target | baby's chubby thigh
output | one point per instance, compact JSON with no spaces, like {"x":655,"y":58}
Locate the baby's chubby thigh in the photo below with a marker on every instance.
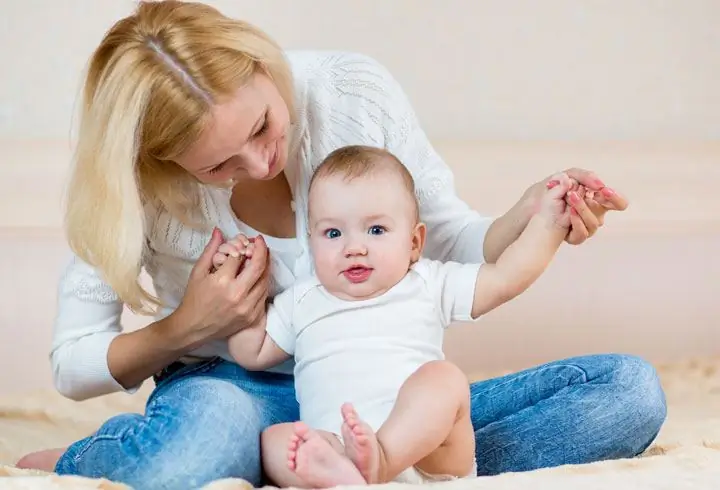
{"x":432,"y":416}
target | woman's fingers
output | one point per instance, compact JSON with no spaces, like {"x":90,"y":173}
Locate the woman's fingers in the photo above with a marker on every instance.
{"x":611,"y":199}
{"x":578,"y":232}
{"x":597,"y":209}
{"x":255,"y":267}
{"x":584,"y":212}
{"x":204,"y":264}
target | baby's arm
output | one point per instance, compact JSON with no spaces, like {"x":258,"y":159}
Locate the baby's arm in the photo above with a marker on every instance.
{"x":254,"y":349}
{"x":522,"y":263}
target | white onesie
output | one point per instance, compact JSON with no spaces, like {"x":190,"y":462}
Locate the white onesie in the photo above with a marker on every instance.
{"x":363,"y":351}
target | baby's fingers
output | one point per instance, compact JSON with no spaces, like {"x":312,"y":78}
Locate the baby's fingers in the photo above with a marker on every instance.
{"x":219,"y":259}
{"x":231,"y":249}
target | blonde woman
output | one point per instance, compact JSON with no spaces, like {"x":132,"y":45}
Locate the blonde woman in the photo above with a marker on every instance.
{"x":196,"y":126}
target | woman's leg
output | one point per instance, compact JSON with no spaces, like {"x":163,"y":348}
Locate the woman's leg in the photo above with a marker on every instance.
{"x":201,"y":424}
{"x":574,"y":411}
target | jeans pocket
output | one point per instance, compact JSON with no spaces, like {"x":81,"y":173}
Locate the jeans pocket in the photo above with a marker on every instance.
{"x":179,"y":369}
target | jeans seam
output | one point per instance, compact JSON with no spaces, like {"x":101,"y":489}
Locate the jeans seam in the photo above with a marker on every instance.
{"x":93,"y":440}
{"x":541,"y":370}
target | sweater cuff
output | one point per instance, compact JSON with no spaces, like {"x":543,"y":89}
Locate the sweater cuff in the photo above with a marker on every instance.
{"x":88,"y":375}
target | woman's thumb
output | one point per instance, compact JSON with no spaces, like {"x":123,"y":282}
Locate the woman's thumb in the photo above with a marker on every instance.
{"x":204,"y":263}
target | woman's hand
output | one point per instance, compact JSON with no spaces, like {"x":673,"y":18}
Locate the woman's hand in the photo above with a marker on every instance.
{"x":590,"y":201}
{"x":219,"y":302}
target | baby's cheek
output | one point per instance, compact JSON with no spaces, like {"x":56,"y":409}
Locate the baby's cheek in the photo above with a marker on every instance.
{"x":323,"y":257}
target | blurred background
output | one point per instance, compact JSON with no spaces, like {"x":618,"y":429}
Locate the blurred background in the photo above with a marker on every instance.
{"x":507,"y":91}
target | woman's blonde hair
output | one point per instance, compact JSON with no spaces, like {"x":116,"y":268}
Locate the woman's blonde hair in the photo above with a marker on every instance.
{"x":149,"y":89}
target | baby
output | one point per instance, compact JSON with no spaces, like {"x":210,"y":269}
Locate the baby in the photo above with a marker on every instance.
{"x":378,"y":402}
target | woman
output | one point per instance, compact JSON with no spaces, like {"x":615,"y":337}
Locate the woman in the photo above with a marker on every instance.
{"x":192,"y":122}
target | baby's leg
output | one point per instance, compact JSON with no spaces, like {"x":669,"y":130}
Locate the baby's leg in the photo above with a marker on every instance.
{"x":294,"y":455}
{"x":429,"y":428}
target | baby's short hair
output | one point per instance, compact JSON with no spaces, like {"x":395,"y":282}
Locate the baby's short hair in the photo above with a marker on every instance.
{"x":355,"y":161}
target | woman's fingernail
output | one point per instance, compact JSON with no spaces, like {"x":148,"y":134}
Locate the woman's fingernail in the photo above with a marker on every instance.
{"x":574,"y":197}
{"x":608,"y":192}
{"x":552,"y":184}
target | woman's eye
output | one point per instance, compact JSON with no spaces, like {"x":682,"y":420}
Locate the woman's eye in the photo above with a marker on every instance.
{"x":262,"y":129}
{"x":376,"y":230}
{"x":216,"y":169}
{"x":332,"y":233}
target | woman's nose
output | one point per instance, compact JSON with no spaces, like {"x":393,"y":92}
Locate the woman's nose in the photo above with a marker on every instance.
{"x":255,"y":162}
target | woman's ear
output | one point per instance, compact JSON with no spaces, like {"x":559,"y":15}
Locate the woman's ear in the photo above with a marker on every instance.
{"x":418,"y":241}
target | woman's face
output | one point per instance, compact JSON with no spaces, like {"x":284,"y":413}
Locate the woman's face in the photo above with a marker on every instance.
{"x":246,"y":137}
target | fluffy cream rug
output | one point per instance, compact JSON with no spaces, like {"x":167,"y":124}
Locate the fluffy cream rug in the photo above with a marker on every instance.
{"x":685,"y":455}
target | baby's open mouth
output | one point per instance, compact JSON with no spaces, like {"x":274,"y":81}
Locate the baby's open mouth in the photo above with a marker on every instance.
{"x":357,"y":273}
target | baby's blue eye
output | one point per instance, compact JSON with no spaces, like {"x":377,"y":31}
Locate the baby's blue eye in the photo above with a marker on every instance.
{"x":376,"y":230}
{"x":332,"y":233}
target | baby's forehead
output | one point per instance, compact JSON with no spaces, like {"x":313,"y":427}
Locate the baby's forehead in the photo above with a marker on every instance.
{"x":373,"y":194}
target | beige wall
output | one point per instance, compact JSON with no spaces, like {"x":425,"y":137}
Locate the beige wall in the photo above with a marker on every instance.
{"x":490,"y":69}
{"x":508,"y":91}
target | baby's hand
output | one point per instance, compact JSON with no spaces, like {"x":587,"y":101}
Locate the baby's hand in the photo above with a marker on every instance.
{"x":240,"y":245}
{"x":554,"y":205}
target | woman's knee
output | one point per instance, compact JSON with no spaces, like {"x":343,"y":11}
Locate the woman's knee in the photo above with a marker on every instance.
{"x":214,"y":433}
{"x":198,"y":430}
{"x":640,"y":391}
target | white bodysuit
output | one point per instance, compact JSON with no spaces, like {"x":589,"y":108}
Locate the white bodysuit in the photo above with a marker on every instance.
{"x":363,"y":351}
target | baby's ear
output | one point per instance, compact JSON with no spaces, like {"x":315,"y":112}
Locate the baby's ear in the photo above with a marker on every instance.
{"x":418,"y":241}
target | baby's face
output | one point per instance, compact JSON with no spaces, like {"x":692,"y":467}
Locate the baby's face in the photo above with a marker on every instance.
{"x":363,"y":233}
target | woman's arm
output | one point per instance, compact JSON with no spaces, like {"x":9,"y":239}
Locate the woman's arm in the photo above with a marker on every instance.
{"x":91,"y":356}
{"x":87,"y":323}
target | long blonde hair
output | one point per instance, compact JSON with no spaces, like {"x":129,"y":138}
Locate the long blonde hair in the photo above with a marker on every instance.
{"x":149,"y":88}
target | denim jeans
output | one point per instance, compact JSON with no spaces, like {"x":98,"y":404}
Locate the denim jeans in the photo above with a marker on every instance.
{"x":203,"y":422}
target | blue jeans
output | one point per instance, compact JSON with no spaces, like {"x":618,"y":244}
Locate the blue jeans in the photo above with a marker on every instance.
{"x":203,"y":422}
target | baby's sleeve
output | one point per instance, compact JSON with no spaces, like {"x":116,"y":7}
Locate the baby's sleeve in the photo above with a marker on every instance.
{"x":279,"y":325}
{"x":452,"y":285}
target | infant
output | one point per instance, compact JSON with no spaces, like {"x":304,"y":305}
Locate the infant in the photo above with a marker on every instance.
{"x":378,"y":402}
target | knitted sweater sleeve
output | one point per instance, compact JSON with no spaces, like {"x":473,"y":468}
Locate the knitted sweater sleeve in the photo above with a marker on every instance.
{"x":86,"y":322}
{"x":371,"y":104}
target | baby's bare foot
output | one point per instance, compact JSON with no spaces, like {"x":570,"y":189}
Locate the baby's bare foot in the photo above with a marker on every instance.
{"x":361,"y":444}
{"x":314,"y":460}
